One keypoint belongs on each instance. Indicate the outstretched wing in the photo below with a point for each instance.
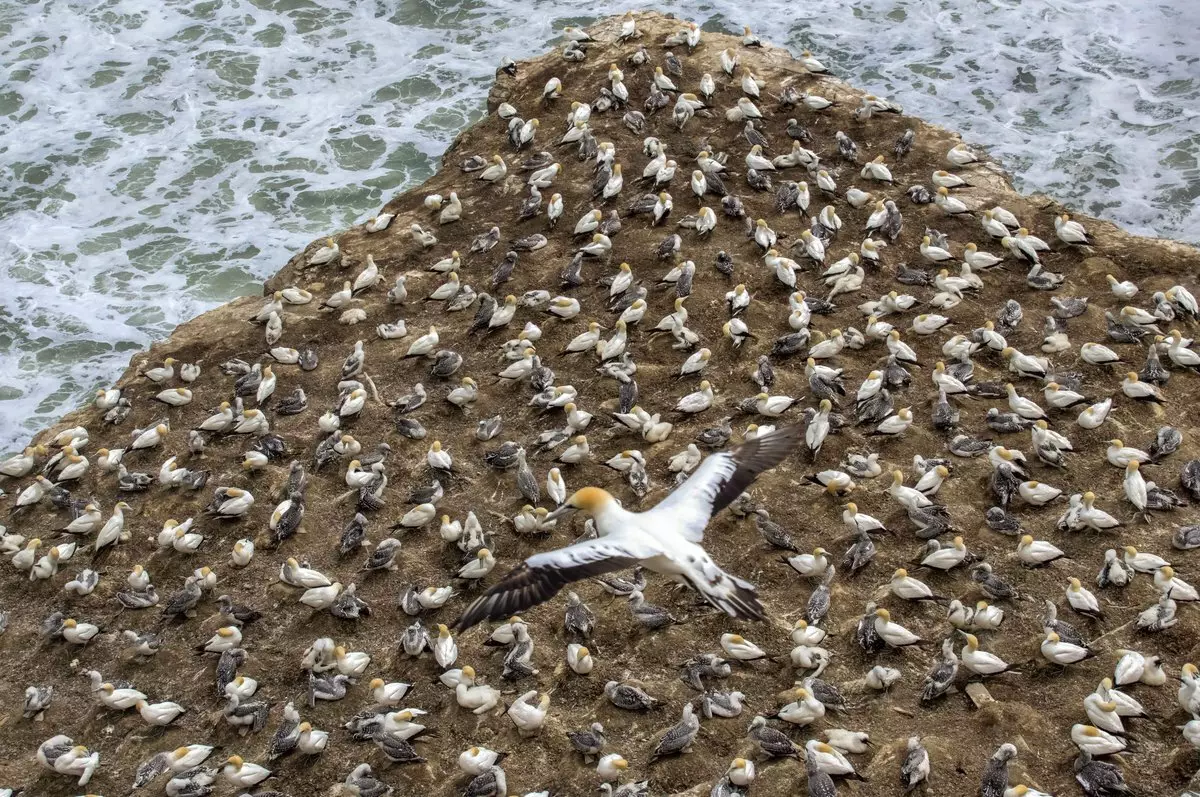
(722, 478)
(541, 576)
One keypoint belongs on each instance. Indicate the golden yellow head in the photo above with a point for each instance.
(590, 499)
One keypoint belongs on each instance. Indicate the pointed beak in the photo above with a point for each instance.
(563, 510)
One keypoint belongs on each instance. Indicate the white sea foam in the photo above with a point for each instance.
(161, 157)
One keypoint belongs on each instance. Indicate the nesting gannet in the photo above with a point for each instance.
(1056, 651)
(1092, 740)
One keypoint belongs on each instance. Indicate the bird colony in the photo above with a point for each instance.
(431, 518)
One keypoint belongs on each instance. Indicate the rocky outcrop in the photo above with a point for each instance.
(1034, 709)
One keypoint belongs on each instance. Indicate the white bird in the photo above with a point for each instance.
(893, 634)
(664, 539)
(1094, 416)
(1135, 490)
(1097, 354)
(882, 678)
(906, 496)
(556, 488)
(528, 712)
(291, 573)
(121, 699)
(1168, 583)
(804, 710)
(698, 401)
(1055, 651)
(321, 598)
(895, 425)
(946, 557)
(1070, 232)
(1094, 741)
(477, 760)
(78, 633)
(810, 565)
(959, 155)
(1093, 518)
(243, 775)
(981, 662)
(979, 260)
(827, 759)
(477, 698)
(1035, 553)
(739, 648)
(579, 659)
(160, 714)
(475, 569)
(1122, 290)
(877, 170)
(1037, 493)
(905, 587)
(1082, 600)
(224, 639)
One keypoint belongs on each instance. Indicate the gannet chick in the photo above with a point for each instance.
(588, 742)
(680, 737)
(37, 700)
(773, 743)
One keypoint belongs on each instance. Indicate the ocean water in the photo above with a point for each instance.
(158, 158)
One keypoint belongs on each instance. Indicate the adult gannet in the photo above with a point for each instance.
(665, 539)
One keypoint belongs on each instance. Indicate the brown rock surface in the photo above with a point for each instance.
(1034, 709)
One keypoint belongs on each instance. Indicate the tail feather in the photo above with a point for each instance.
(732, 595)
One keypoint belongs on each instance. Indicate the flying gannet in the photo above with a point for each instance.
(665, 539)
